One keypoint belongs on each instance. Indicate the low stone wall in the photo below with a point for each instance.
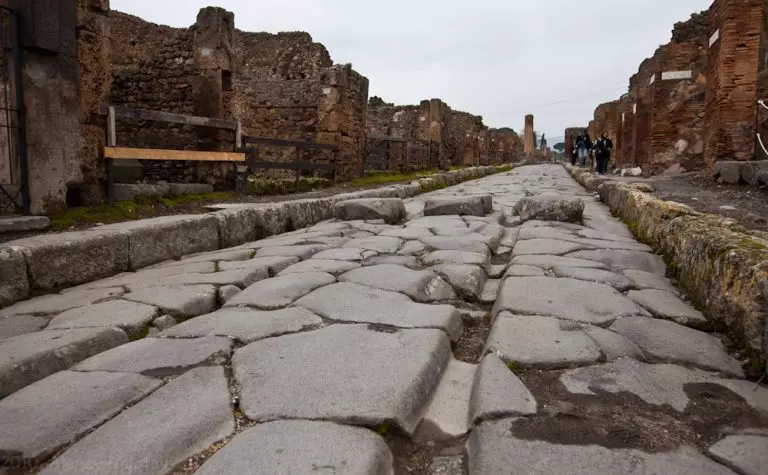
(51, 262)
(722, 268)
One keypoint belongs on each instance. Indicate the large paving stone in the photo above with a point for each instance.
(524, 271)
(423, 286)
(280, 291)
(429, 222)
(346, 254)
(54, 412)
(294, 447)
(612, 345)
(447, 243)
(619, 260)
(746, 454)
(617, 281)
(246, 325)
(568, 299)
(13, 268)
(549, 262)
(478, 205)
(646, 280)
(545, 246)
(301, 251)
(447, 416)
(160, 356)
(132, 317)
(412, 248)
(498, 392)
(665, 305)
(309, 375)
(467, 280)
(410, 262)
(153, 274)
(383, 244)
(57, 303)
(411, 232)
(391, 210)
(550, 209)
(27, 358)
(455, 257)
(240, 278)
(66, 259)
(321, 265)
(354, 303)
(494, 450)
(540, 342)
(274, 264)
(14, 325)
(218, 256)
(237, 226)
(675, 343)
(177, 421)
(182, 301)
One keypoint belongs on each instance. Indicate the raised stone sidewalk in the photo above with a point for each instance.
(451, 343)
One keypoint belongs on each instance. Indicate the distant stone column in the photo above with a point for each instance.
(530, 141)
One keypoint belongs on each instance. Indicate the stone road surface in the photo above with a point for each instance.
(446, 345)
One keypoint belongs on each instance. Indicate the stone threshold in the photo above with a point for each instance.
(50, 262)
(719, 265)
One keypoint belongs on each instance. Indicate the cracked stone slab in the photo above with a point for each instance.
(447, 243)
(663, 304)
(545, 246)
(177, 421)
(423, 286)
(613, 345)
(240, 278)
(498, 392)
(302, 252)
(346, 254)
(391, 210)
(409, 233)
(568, 299)
(57, 303)
(132, 317)
(246, 325)
(354, 303)
(646, 280)
(407, 261)
(447, 416)
(673, 343)
(746, 454)
(154, 274)
(493, 450)
(617, 281)
(183, 301)
(217, 256)
(467, 280)
(54, 412)
(294, 447)
(411, 248)
(160, 356)
(308, 375)
(549, 262)
(15, 325)
(540, 342)
(280, 291)
(519, 270)
(619, 260)
(321, 265)
(490, 291)
(455, 257)
(382, 244)
(274, 264)
(27, 358)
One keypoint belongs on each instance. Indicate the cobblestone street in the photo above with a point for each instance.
(444, 344)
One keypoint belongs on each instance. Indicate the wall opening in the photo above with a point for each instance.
(226, 80)
(74, 196)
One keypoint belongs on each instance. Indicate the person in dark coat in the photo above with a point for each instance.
(603, 148)
(584, 145)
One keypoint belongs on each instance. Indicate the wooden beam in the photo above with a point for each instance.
(249, 139)
(124, 153)
(159, 116)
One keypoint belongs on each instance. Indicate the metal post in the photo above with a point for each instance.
(22, 135)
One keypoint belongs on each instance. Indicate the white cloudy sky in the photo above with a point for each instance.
(497, 58)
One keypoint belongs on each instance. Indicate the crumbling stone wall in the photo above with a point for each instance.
(528, 138)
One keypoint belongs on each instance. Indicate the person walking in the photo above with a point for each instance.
(584, 144)
(603, 148)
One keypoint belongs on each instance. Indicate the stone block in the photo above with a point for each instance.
(132, 317)
(131, 191)
(182, 301)
(67, 259)
(498, 392)
(729, 171)
(20, 224)
(391, 210)
(550, 209)
(747, 454)
(14, 325)
(238, 226)
(463, 206)
(424, 286)
(14, 285)
(280, 291)
(305, 213)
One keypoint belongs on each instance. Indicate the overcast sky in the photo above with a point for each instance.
(497, 58)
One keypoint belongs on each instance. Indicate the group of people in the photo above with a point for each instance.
(600, 150)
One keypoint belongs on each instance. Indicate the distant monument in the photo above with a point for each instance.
(543, 145)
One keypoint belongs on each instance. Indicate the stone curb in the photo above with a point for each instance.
(53, 261)
(721, 267)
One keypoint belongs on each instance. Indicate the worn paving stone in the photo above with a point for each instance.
(524, 271)
(294, 447)
(665, 305)
(182, 301)
(411, 248)
(621, 260)
(445, 243)
(164, 322)
(467, 280)
(246, 325)
(321, 265)
(226, 292)
(308, 375)
(613, 345)
(413, 232)
(346, 254)
(383, 244)
(545, 246)
(540, 342)
(490, 291)
(447, 416)
(746, 454)
(407, 261)
(57, 303)
(535, 223)
(274, 264)
(391, 210)
(14, 325)
(617, 281)
(646, 280)
(567, 299)
(603, 236)
(302, 252)
(423, 286)
(494, 450)
(132, 317)
(576, 237)
(549, 262)
(280, 291)
(177, 421)
(354, 303)
(498, 392)
(478, 205)
(15, 283)
(160, 356)
(27, 358)
(673, 343)
(545, 232)
(54, 412)
(550, 209)
(218, 256)
(455, 257)
(154, 274)
(429, 222)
